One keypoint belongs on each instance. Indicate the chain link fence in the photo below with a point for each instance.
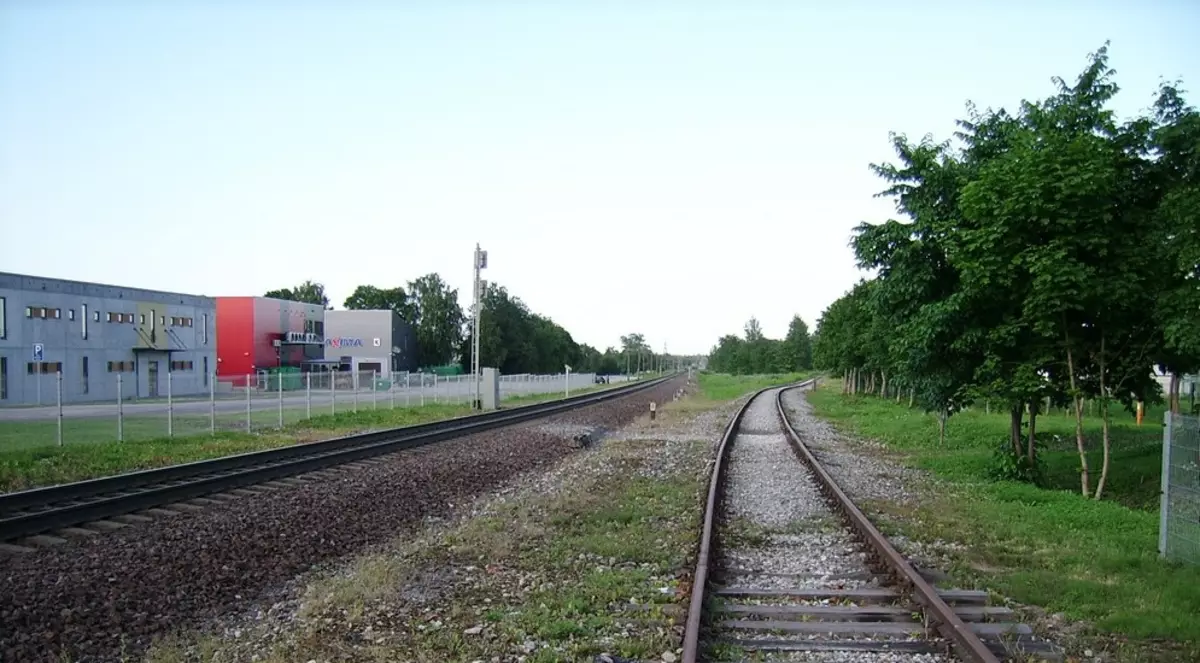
(191, 403)
(1179, 526)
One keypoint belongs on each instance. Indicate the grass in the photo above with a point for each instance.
(550, 575)
(23, 468)
(723, 387)
(1047, 546)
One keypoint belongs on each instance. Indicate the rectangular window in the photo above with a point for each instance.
(205, 334)
(83, 319)
(84, 375)
(3, 317)
(28, 312)
(3, 378)
(205, 369)
(153, 322)
(71, 314)
(56, 313)
(35, 367)
(110, 316)
(120, 366)
(142, 319)
(96, 316)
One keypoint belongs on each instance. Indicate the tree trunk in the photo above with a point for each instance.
(912, 396)
(1014, 429)
(1173, 389)
(942, 427)
(1030, 452)
(899, 395)
(884, 385)
(1103, 423)
(1085, 483)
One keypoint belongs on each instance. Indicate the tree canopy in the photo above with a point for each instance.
(1050, 253)
(308, 292)
(755, 353)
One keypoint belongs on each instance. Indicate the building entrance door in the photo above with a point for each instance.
(152, 378)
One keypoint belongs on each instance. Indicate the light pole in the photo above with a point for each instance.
(477, 306)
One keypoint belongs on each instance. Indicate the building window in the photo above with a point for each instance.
(35, 367)
(43, 312)
(84, 375)
(206, 368)
(153, 322)
(3, 317)
(83, 319)
(162, 320)
(71, 314)
(3, 378)
(181, 366)
(96, 316)
(142, 319)
(204, 331)
(120, 366)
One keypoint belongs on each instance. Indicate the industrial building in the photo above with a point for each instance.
(94, 333)
(376, 340)
(259, 334)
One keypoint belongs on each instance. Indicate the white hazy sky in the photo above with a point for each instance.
(668, 168)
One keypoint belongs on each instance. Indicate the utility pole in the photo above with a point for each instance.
(476, 308)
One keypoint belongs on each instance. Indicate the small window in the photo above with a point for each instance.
(28, 312)
(204, 331)
(3, 317)
(71, 314)
(110, 316)
(56, 313)
(83, 319)
(84, 374)
(205, 370)
(96, 316)
(3, 378)
(162, 320)
(142, 319)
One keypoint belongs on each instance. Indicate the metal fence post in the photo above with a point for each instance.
(212, 404)
(354, 386)
(280, 374)
(374, 390)
(407, 385)
(422, 388)
(436, 395)
(1165, 498)
(308, 395)
(249, 428)
(391, 391)
(60, 408)
(120, 418)
(170, 408)
(333, 391)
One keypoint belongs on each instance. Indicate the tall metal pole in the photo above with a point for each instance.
(480, 259)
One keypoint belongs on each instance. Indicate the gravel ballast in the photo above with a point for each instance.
(780, 533)
(104, 597)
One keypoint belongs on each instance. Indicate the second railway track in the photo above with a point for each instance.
(790, 569)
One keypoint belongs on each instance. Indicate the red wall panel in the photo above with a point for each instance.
(235, 335)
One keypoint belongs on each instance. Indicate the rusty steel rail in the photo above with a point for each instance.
(691, 632)
(964, 642)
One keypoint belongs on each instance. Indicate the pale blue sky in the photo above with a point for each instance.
(672, 170)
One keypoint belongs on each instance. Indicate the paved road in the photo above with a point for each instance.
(321, 401)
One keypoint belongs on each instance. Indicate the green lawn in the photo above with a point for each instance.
(723, 387)
(1048, 546)
(28, 457)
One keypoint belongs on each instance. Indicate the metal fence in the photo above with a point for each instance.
(1179, 525)
(120, 408)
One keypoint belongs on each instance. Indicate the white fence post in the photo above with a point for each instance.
(58, 390)
(374, 390)
(212, 404)
(120, 413)
(170, 407)
(280, 385)
(407, 385)
(249, 427)
(354, 386)
(333, 391)
(391, 391)
(308, 395)
(422, 388)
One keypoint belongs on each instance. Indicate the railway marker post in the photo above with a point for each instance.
(60, 409)
(279, 376)
(170, 408)
(120, 417)
(248, 428)
(212, 404)
(652, 408)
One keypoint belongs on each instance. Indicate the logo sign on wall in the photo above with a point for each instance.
(343, 342)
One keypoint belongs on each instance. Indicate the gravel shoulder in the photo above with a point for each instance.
(108, 597)
(588, 558)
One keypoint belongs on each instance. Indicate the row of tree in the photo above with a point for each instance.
(512, 337)
(757, 354)
(1050, 255)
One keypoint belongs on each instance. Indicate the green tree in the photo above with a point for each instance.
(797, 346)
(437, 318)
(369, 297)
(309, 292)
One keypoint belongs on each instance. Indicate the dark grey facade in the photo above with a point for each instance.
(96, 334)
(370, 340)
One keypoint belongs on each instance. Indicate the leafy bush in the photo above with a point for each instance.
(1007, 466)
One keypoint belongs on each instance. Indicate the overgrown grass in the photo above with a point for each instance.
(1048, 546)
(41, 466)
(724, 387)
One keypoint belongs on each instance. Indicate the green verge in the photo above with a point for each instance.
(25, 468)
(724, 387)
(1045, 546)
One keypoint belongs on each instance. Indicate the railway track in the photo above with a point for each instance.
(26, 516)
(790, 569)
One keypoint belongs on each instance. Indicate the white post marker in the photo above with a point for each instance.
(567, 393)
(391, 391)
(308, 395)
(375, 390)
(333, 391)
(407, 393)
(354, 385)
(652, 409)
(60, 409)
(212, 404)
(248, 378)
(120, 413)
(280, 375)
(170, 407)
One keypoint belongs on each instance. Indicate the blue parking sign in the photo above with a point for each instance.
(39, 352)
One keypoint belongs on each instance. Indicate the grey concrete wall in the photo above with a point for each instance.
(85, 306)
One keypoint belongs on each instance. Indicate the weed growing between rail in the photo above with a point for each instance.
(1092, 561)
(24, 468)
